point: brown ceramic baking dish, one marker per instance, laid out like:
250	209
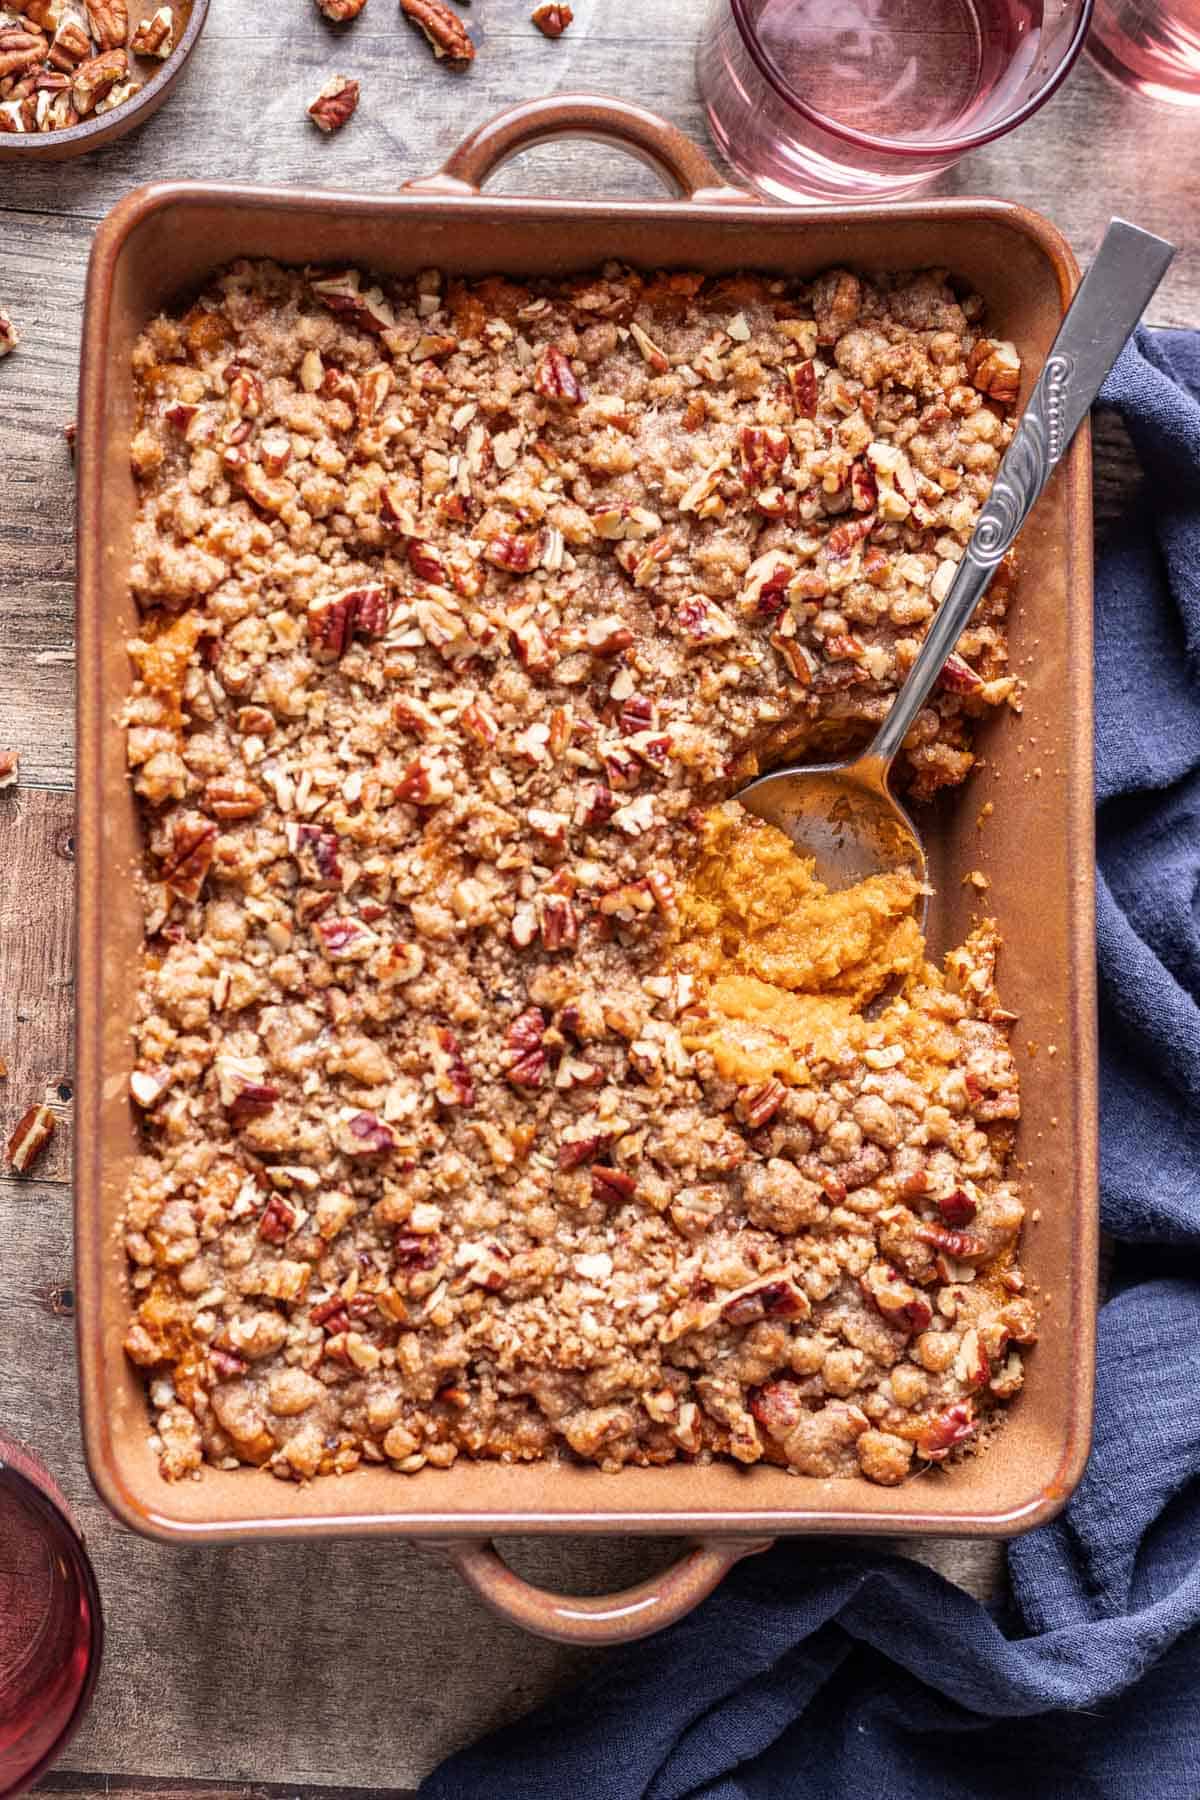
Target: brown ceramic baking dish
1036	847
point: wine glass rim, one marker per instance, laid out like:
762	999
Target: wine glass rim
44	1503
909	147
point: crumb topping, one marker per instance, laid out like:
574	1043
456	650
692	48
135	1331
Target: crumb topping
479	1116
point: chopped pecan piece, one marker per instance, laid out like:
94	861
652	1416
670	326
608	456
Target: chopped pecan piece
452	1083
10	768
755	1105
777	1297
764	450
612	1186
898	1302
945	1430
447	35
253	1100
957	1208
551	20
340	11
515	552
958	676
155	35
30	1138
335	104
10	335
368	1135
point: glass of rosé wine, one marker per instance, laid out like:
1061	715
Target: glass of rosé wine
854	100
51	1630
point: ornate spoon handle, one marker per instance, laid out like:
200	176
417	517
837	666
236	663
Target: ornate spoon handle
1108	303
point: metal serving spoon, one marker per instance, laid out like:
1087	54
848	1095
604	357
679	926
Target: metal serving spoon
844	815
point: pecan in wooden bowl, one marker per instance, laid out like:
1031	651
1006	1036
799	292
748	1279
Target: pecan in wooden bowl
78	74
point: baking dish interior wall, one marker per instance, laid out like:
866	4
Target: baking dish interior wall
1034	848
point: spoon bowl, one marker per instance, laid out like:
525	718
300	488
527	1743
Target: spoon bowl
845	818
844	815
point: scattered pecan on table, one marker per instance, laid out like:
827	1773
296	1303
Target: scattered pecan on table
10	767
10	335
448	36
30	1138
552	20
335	103
340	11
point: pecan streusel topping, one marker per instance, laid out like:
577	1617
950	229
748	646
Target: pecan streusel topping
478	1119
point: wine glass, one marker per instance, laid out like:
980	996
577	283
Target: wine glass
51	1627
867	99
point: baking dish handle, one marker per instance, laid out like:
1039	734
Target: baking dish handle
599	1619
665	149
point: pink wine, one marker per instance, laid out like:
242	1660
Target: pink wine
848	98
50	1627
1152	48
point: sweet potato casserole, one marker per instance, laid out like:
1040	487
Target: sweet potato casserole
505	1090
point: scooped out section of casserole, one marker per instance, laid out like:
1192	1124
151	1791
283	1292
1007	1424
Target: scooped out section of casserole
504	1091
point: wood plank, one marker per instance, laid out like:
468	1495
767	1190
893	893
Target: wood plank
36	995
42	267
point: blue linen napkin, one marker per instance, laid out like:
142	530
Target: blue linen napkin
838	1673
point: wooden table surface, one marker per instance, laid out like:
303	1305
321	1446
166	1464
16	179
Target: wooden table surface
356	1666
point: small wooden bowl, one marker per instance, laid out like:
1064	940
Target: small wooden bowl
92	134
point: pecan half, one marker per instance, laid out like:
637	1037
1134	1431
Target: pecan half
188	861
10	767
155	36
802	378
525	1058
108	21
335	104
30	1138
20	51
448	36
233	798
555	379
71	46
552	20
340	11
334	619
278	1221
